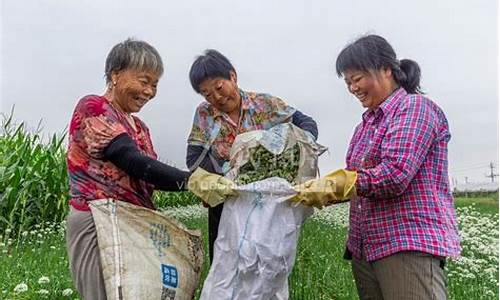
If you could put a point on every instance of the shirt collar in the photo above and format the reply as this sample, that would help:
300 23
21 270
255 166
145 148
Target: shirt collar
386 106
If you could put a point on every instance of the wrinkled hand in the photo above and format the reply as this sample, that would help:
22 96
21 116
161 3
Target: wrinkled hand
335 187
211 188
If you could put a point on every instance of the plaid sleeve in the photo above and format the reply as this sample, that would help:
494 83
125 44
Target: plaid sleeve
404 148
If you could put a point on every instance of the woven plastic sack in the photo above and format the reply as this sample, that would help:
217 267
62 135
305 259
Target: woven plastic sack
144 254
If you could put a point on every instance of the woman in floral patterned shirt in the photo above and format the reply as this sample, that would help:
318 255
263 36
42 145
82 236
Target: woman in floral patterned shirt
110 155
227 112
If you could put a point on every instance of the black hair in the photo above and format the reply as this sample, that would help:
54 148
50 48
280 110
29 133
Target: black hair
211 64
373 52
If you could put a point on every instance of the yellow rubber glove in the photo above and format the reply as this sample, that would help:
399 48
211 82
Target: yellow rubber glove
334 187
211 188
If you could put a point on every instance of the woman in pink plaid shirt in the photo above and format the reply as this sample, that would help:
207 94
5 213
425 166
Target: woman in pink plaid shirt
402 222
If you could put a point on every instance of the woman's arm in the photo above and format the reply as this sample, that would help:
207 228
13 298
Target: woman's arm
406 145
305 122
123 153
194 154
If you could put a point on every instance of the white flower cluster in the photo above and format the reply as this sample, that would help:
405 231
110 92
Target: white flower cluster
21 288
44 280
479 241
334 215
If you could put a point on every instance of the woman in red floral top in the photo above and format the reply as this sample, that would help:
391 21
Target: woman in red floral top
110 155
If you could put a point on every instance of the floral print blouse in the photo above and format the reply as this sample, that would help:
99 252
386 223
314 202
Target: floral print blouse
95 122
215 129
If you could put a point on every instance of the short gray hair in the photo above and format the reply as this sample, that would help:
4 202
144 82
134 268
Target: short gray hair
135 55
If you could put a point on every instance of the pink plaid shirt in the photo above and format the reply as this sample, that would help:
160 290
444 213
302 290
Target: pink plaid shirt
404 200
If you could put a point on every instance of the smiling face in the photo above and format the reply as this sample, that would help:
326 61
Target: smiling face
222 93
133 89
371 88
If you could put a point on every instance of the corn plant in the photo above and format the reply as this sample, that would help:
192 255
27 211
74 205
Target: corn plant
33 177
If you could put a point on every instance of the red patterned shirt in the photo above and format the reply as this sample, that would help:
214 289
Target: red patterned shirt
93 125
404 200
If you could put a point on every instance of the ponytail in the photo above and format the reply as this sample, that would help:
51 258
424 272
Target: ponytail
407 74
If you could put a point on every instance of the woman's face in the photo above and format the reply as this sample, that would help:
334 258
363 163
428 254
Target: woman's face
371 88
133 89
222 93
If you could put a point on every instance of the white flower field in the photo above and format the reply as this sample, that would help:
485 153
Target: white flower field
34 263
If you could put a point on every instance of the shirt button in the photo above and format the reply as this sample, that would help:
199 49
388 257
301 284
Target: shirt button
359 206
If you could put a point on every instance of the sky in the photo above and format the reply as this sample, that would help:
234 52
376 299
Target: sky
53 53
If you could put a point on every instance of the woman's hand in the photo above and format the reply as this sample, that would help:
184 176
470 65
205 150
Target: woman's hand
335 187
211 188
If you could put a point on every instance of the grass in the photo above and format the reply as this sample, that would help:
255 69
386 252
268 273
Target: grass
174 199
320 272
488 204
38 255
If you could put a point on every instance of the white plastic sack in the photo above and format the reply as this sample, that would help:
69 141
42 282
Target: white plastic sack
259 229
144 254
256 245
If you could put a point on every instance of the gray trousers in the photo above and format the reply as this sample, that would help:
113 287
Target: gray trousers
83 252
404 275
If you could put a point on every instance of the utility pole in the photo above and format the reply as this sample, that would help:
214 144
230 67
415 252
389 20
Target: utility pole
492 174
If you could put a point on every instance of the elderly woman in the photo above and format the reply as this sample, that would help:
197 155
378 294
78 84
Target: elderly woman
110 155
402 223
227 112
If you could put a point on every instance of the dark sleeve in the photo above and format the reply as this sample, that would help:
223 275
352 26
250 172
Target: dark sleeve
207 161
305 122
123 152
